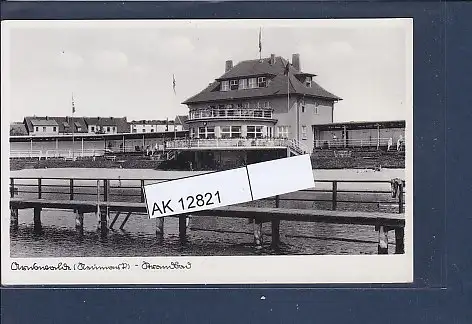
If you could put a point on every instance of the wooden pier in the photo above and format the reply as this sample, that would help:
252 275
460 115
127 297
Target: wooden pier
107 212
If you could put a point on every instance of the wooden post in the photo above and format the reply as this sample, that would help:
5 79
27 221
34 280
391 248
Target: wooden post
37 220
39 188
12 187
399 240
335 195
103 223
114 219
125 220
13 219
258 233
383 241
71 189
142 191
160 226
275 233
79 221
400 198
182 227
105 189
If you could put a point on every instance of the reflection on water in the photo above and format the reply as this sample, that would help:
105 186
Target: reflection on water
220 236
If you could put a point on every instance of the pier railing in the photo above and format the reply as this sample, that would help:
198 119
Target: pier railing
327 194
105 196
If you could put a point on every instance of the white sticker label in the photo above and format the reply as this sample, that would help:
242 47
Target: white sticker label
218 189
188 195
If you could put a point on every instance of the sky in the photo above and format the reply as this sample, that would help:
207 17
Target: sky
125 68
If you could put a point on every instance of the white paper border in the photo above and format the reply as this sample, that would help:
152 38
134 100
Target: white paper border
217 269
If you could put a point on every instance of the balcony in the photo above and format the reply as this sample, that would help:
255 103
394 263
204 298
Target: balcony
262 113
236 143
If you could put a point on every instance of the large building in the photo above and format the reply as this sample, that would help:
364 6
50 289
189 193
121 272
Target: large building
262 98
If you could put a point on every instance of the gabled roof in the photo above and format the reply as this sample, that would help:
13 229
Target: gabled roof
121 123
277 86
43 122
182 120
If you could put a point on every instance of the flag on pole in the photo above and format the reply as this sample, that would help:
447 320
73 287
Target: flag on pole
287 69
260 43
173 83
73 104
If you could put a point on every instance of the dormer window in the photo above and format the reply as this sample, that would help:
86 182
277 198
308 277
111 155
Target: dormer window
252 83
224 85
261 82
308 81
243 84
234 84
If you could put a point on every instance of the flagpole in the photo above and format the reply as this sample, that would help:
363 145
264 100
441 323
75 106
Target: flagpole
73 140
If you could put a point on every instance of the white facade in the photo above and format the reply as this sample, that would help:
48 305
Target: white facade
45 130
93 129
154 128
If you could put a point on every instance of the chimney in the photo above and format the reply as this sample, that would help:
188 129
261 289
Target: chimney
229 65
272 59
296 61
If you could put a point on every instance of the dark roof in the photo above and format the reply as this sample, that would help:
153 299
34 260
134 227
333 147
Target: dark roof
64 123
121 123
182 120
43 122
277 86
18 129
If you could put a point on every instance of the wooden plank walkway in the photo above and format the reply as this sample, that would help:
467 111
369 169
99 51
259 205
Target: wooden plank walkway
383 222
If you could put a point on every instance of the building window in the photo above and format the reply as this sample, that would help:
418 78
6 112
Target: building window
37 129
282 131
258 113
243 84
230 132
134 130
54 129
267 114
261 82
316 108
252 83
210 132
201 132
246 105
308 81
304 136
224 85
152 130
92 128
254 131
303 108
267 104
144 130
234 84
192 132
108 129
44 129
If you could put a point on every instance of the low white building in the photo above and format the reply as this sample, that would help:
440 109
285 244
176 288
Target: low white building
44 127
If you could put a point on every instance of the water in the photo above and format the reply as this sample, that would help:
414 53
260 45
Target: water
221 236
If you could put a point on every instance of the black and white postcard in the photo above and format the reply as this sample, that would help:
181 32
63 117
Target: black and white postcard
207 151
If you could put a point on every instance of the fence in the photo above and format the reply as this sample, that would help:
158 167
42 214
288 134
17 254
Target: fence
343 143
328 194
